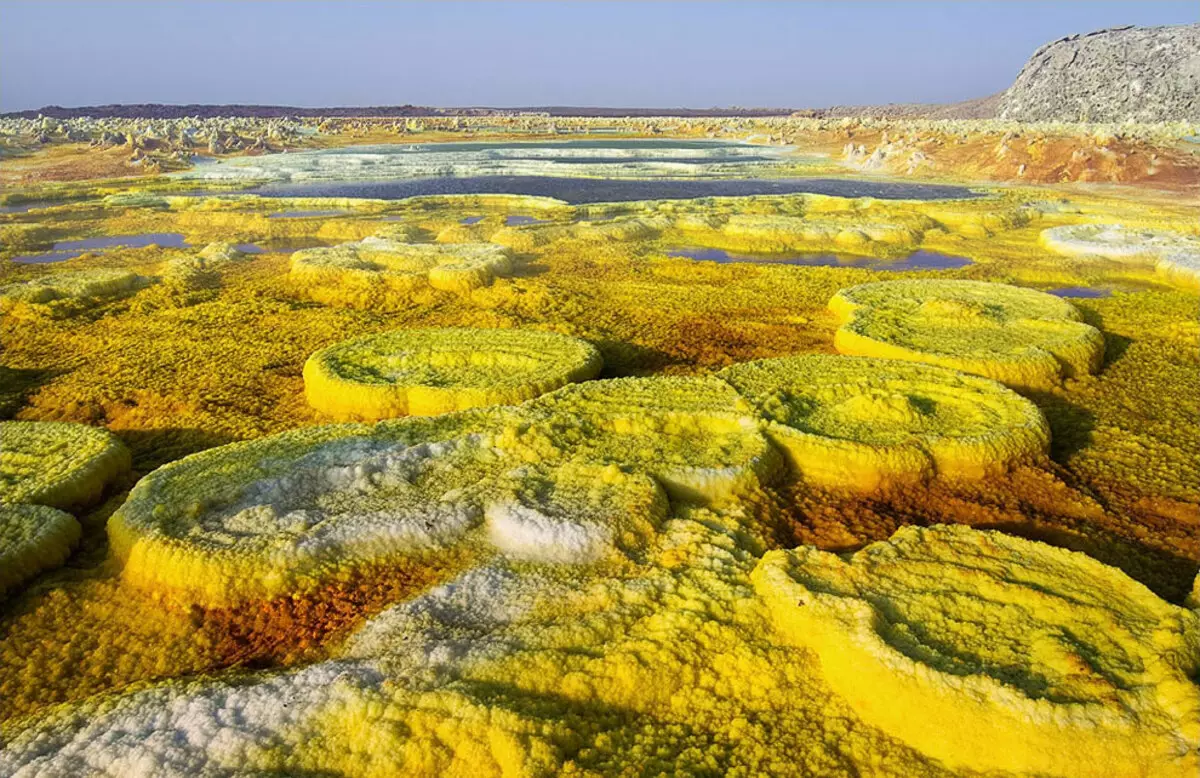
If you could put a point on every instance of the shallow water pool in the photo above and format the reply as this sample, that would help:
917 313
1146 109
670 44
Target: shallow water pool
599 190
69 249
918 260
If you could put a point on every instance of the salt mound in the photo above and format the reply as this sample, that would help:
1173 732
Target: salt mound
1020 337
1172 254
695 435
66 294
59 464
994 653
378 271
284 514
431 371
33 538
860 422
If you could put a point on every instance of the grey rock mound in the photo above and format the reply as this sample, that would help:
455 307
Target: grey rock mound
1141 74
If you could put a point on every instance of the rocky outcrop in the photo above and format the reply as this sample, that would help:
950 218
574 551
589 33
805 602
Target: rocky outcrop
1144 74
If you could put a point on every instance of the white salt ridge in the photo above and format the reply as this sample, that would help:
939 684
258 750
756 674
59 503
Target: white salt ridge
205 728
399 162
1173 254
433 636
528 534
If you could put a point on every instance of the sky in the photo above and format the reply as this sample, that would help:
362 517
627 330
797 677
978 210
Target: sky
617 54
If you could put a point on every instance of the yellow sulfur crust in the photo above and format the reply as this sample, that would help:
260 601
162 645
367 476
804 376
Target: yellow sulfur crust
425 372
1020 337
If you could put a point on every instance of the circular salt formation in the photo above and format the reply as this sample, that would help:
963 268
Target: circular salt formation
33 538
994 653
1020 337
860 422
59 464
1171 253
432 371
577 513
280 515
695 435
376 271
65 294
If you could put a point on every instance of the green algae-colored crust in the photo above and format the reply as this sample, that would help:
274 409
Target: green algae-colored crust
383 272
425 372
1020 337
994 653
695 435
65 294
860 422
33 538
59 464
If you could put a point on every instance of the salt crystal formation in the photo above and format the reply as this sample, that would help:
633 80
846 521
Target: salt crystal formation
863 423
33 538
66 294
1172 254
431 371
380 272
994 653
1020 337
58 464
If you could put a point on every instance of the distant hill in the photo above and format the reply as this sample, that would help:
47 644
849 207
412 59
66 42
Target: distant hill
164 111
1142 74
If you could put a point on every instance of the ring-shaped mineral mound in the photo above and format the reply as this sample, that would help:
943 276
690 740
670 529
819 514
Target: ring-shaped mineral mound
697 436
65 294
59 464
33 538
995 653
859 422
1173 254
281 515
1020 337
379 271
424 372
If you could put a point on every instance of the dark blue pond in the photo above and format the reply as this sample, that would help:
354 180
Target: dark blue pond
1081 291
69 249
918 260
302 214
471 220
517 220
24 207
599 190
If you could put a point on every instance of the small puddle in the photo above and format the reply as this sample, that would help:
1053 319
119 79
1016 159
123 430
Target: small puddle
472 220
25 207
303 214
918 260
69 249
519 220
250 248
1080 291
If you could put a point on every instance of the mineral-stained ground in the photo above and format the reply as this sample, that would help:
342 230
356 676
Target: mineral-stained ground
832 504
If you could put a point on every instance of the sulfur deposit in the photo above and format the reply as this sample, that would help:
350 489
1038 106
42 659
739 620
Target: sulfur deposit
695 435
384 272
425 372
993 653
1020 337
33 538
862 423
67 294
57 464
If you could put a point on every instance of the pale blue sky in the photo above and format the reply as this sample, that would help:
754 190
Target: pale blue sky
628 54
